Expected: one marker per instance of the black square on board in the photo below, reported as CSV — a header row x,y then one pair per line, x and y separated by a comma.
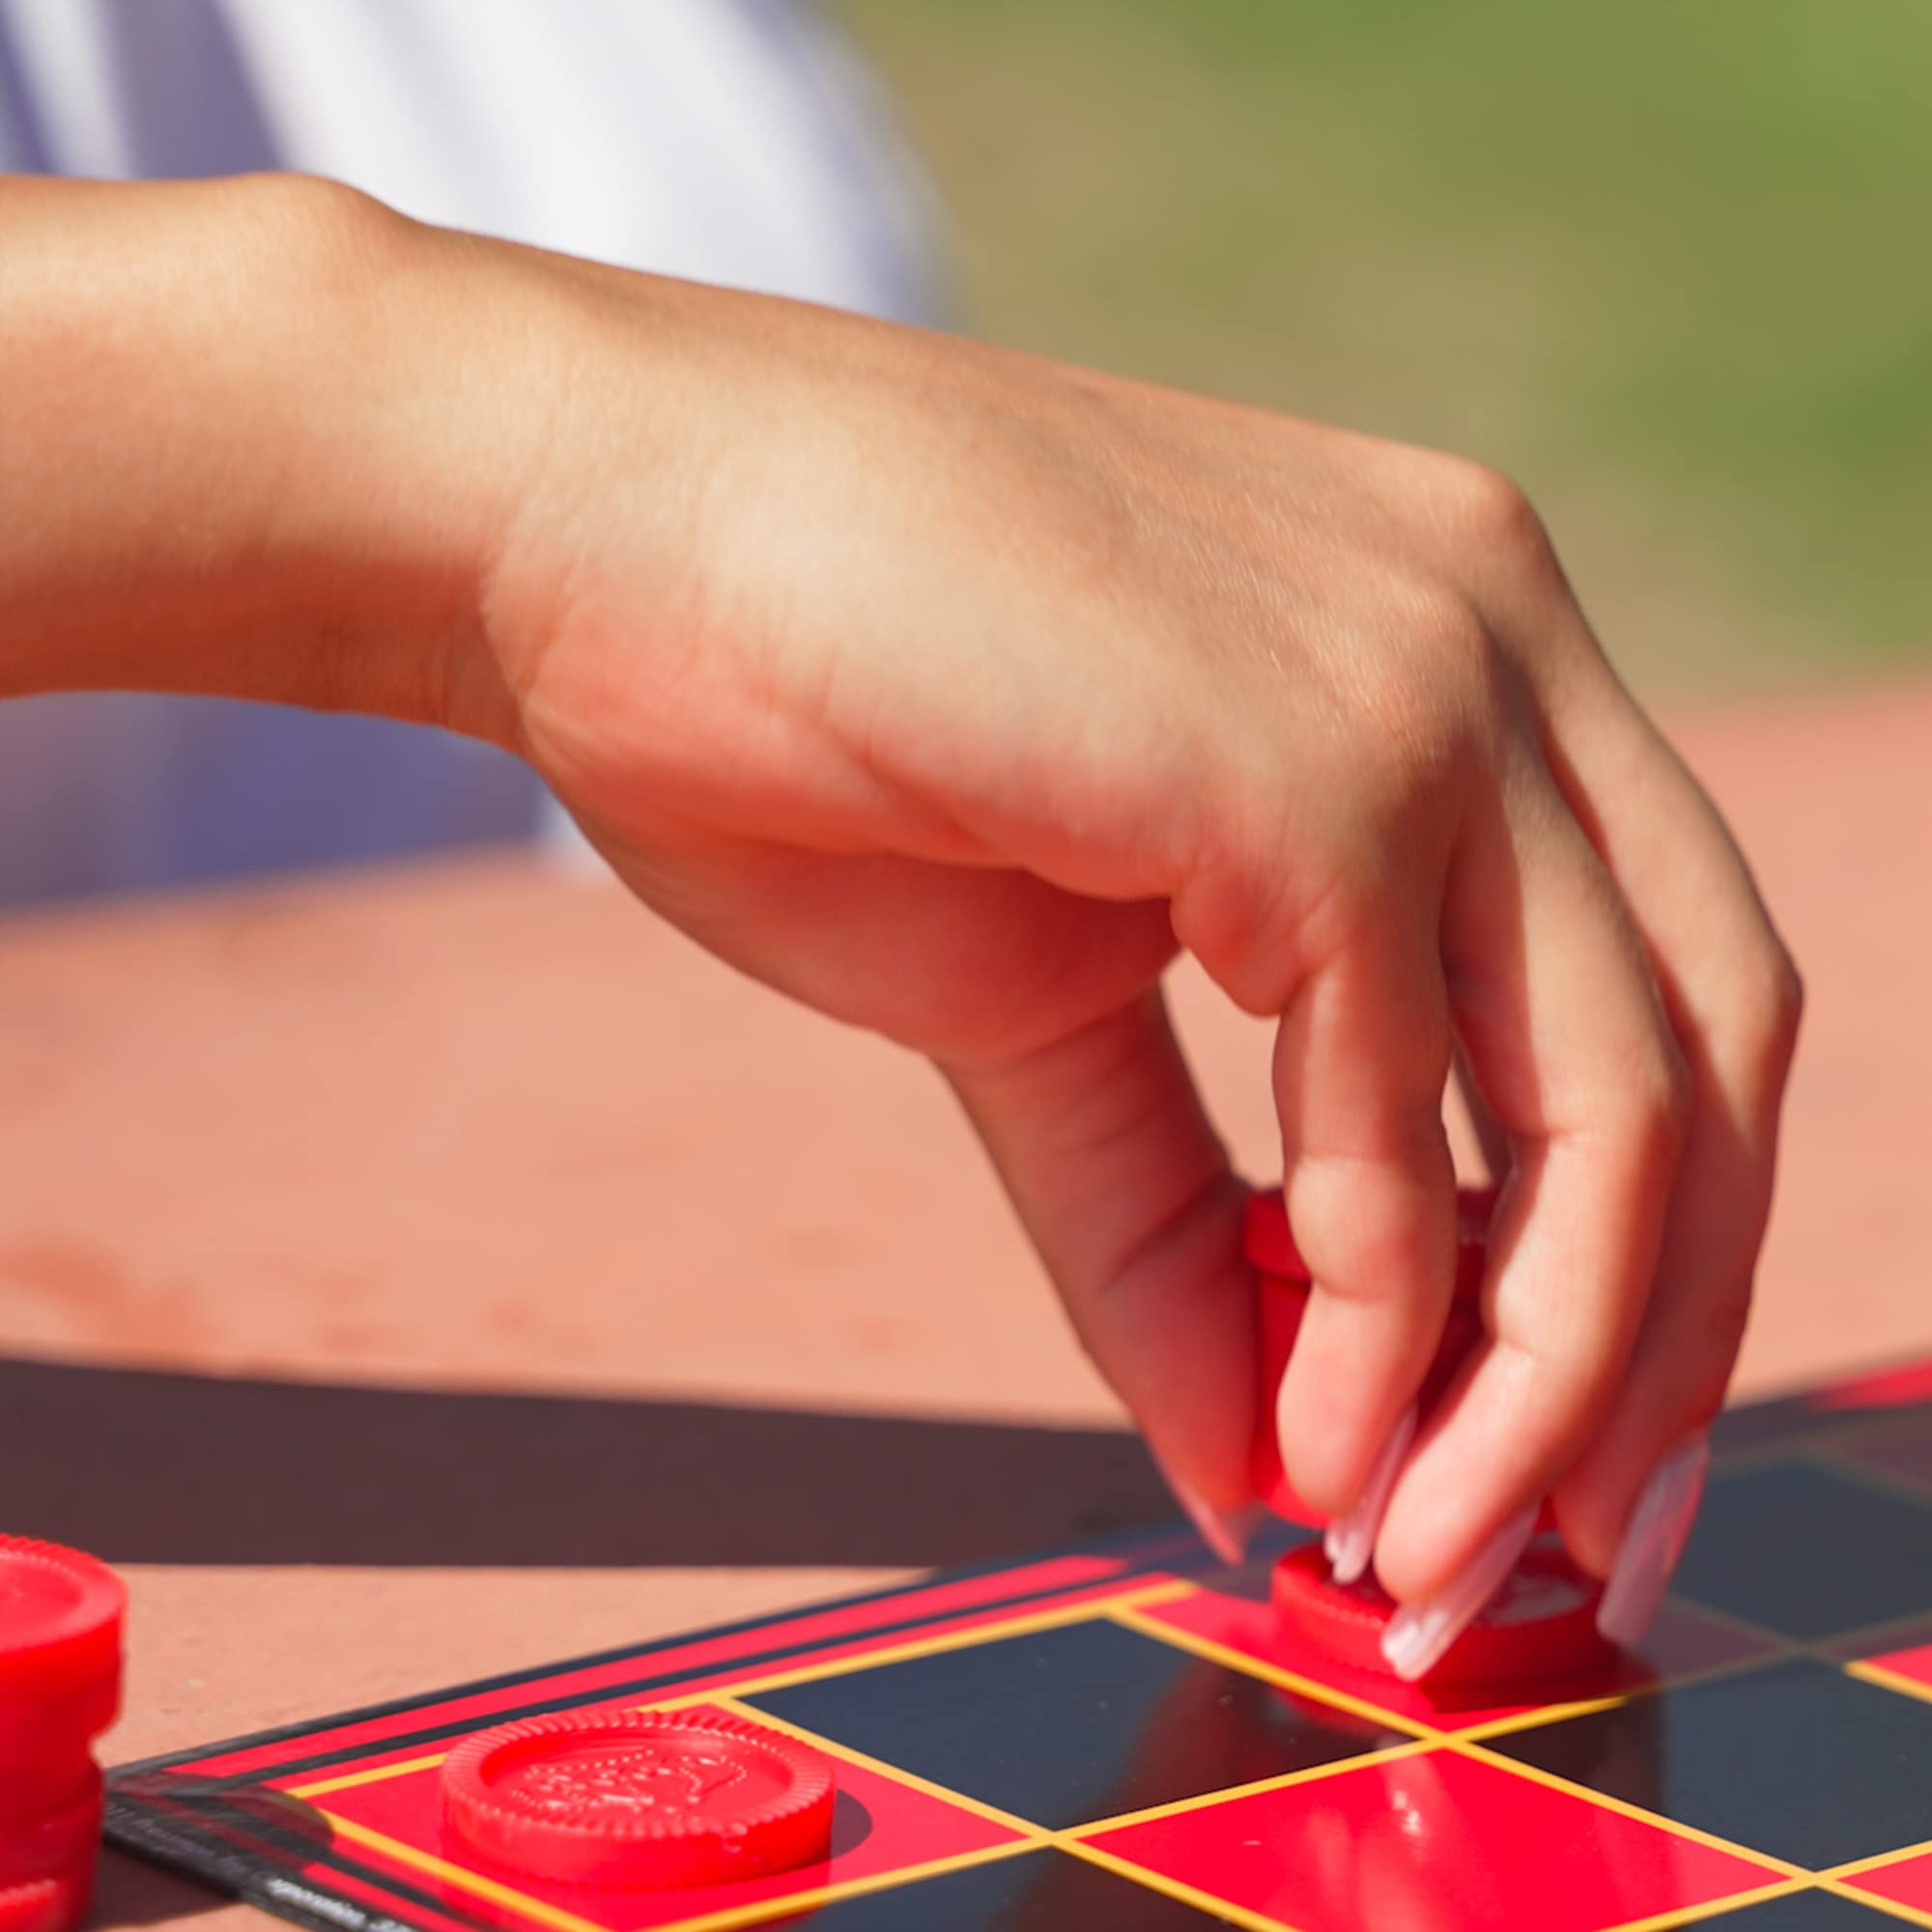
x,y
1803,1912
1808,1552
1797,1760
1069,1725
1037,1891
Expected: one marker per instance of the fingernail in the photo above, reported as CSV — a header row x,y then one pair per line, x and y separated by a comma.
x,y
1654,1539
1350,1540
1418,1634
1225,1532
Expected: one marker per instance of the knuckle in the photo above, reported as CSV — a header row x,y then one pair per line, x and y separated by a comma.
x,y
1379,1233
1431,702
1447,629
1771,1007
1487,512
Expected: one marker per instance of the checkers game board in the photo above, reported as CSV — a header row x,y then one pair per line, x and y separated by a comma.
x,y
1117,1737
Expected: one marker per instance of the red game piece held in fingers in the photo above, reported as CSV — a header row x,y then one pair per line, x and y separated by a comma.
x,y
640,1798
1541,1627
1285,1286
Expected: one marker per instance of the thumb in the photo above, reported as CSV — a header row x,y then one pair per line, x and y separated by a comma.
x,y
1107,1154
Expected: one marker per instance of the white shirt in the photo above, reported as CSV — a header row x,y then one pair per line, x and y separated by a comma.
x,y
731,141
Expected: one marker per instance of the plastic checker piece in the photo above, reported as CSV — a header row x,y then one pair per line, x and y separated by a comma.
x,y
55,1841
1540,1627
47,1746
640,1798
1270,1246
47,1905
57,1774
1284,1298
61,1614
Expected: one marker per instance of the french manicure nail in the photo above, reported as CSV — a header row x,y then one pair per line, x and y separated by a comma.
x,y
1418,1634
1654,1539
1225,1532
1350,1540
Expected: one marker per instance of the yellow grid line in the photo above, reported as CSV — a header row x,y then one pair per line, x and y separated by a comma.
x,y
381,1771
1886,1632
1889,1680
895,1773
1530,1718
852,1888
1910,1913
1125,1611
1077,1841
1287,1680
1210,1801
1091,1611
1846,1465
1602,1800
1712,1908
1155,1880
561,1920
1536,1716
461,1876
1852,1867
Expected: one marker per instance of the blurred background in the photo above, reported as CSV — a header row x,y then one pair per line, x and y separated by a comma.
x,y
1670,267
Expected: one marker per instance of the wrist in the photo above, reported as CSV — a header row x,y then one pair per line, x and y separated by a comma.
x,y
241,467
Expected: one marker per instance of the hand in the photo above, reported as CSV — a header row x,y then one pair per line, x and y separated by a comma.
x,y
949,689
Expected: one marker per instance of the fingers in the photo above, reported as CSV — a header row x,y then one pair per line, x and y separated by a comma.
x,y
1360,1060
1734,1002
1103,1146
1571,1046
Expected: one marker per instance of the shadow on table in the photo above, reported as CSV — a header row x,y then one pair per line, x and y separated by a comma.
x,y
127,1891
143,1467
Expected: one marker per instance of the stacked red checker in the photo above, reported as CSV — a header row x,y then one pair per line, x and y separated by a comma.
x,y
61,1619
1284,1298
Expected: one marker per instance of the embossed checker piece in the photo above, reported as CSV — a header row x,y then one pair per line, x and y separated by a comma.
x,y
643,1798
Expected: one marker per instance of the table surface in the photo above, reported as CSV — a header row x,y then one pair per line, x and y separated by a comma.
x,y
414,1274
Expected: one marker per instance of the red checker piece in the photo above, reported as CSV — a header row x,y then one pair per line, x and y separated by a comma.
x,y
53,1841
61,1614
1540,1627
1270,1246
47,1905
1284,1296
47,1746
57,1774
639,1798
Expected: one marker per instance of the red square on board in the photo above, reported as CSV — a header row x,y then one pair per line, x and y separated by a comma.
x,y
880,1827
1432,1841
1909,1882
1914,1663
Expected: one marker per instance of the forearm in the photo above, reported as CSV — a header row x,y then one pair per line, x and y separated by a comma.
x,y
223,465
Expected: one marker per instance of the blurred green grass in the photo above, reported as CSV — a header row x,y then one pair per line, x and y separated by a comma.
x,y
1670,265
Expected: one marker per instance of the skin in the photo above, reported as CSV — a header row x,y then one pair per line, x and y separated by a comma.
x,y
952,691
